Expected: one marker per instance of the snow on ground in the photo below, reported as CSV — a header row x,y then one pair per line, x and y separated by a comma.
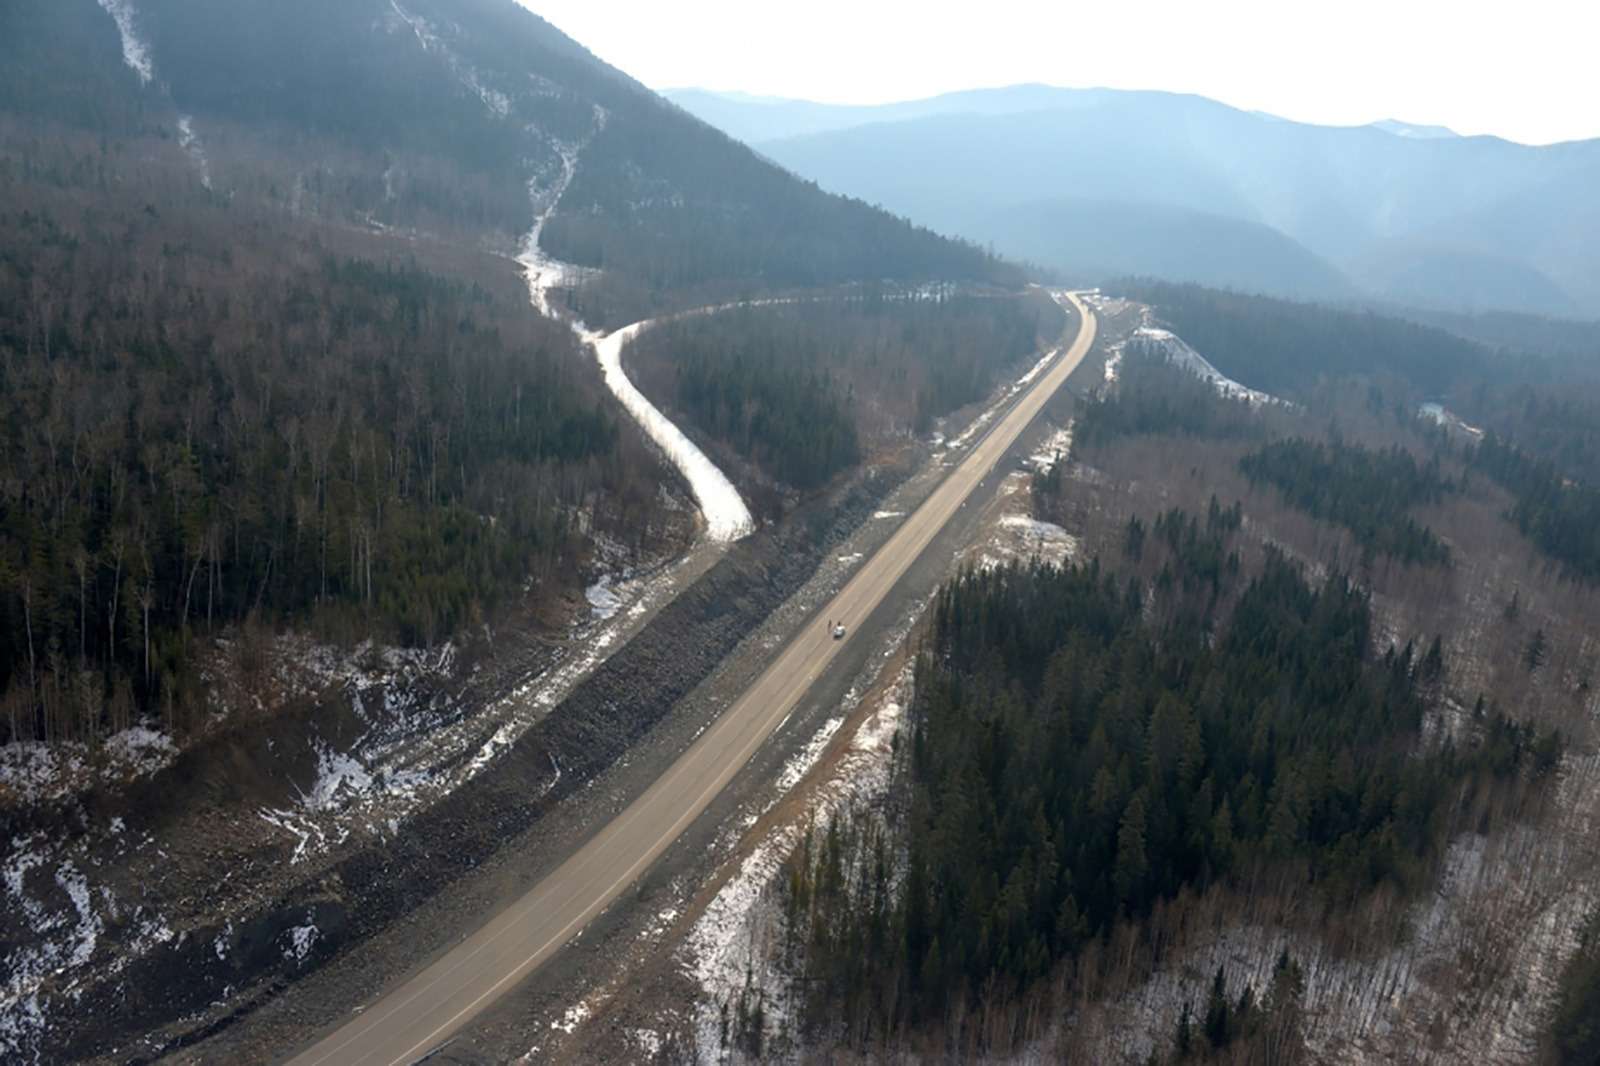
x,y
135,52
993,408
65,941
497,102
35,772
1510,933
1172,348
727,517
1440,415
1114,365
416,747
543,273
189,141
603,600
1035,370
1029,538
299,940
735,938
1054,449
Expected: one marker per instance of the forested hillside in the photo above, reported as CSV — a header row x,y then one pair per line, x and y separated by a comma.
x,y
264,355
1285,348
805,388
1370,493
1083,746
211,415
437,114
1539,412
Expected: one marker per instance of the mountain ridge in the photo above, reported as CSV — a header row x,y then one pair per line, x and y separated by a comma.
x,y
1506,225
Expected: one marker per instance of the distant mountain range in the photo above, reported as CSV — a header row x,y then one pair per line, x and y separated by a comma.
x,y
1094,182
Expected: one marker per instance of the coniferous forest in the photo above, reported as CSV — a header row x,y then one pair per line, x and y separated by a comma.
x,y
1368,492
1083,746
246,422
1560,516
806,388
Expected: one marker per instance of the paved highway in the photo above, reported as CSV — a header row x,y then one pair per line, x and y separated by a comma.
x,y
419,1015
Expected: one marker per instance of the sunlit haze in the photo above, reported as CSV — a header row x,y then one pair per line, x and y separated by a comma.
x,y
1525,72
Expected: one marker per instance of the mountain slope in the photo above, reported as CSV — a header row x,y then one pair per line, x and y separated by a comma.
x,y
256,293
1089,240
1503,225
456,114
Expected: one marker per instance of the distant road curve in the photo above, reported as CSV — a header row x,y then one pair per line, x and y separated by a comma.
x,y
429,1008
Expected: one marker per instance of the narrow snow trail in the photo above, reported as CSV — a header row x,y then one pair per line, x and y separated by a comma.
x,y
727,517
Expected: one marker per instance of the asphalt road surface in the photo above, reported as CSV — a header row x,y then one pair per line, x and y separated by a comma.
x,y
440,1000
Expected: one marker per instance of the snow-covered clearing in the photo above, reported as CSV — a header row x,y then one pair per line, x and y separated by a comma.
x,y
135,52
1028,538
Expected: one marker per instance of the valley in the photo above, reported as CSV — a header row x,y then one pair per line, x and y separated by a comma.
x,y
500,564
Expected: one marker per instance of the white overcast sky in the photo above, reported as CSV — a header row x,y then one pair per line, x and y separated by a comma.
x,y
1527,71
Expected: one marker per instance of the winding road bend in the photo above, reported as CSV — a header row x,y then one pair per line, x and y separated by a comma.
x,y
416,1017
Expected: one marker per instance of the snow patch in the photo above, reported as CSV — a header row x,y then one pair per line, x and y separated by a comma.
x,y
135,52
33,772
1114,365
1440,415
140,751
1055,448
302,939
189,141
498,103
339,780
1174,350
603,602
574,1017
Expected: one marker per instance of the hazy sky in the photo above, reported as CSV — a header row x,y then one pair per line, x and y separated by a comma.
x,y
1527,71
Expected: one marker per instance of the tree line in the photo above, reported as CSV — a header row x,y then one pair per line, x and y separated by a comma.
x,y
1284,348
1560,516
